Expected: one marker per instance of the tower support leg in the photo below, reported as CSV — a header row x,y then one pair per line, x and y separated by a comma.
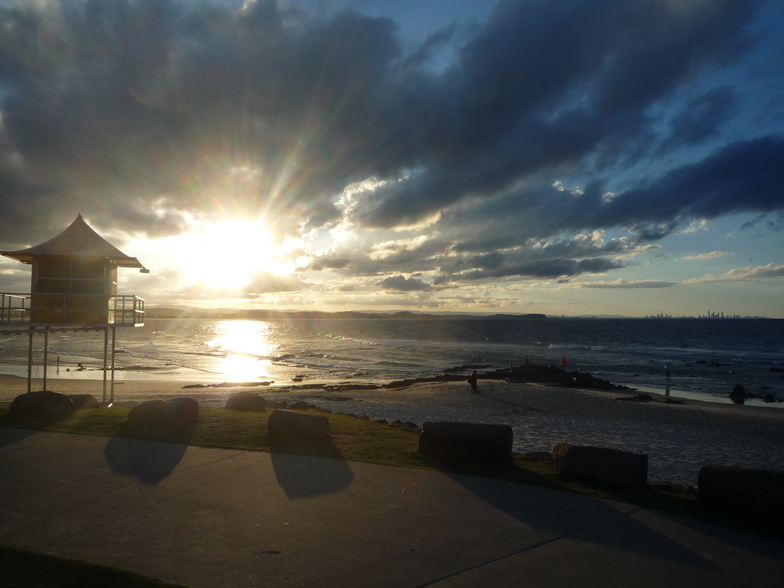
x,y
114,353
30,362
46,353
105,360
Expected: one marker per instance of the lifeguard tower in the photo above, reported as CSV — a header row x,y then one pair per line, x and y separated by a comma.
x,y
73,288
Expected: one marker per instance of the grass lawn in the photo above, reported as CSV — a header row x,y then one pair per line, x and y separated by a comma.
x,y
353,439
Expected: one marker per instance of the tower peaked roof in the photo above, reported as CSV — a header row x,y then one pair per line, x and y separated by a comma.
x,y
78,240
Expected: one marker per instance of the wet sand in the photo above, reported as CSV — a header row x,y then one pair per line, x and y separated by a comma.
x,y
679,438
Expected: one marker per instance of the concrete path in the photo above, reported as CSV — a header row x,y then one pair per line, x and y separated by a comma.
x,y
224,518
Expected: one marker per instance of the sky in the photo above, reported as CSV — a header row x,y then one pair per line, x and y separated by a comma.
x,y
566,157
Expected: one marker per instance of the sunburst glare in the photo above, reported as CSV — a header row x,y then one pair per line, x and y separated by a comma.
x,y
228,254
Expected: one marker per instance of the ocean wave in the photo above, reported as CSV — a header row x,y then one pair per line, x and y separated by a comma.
x,y
398,364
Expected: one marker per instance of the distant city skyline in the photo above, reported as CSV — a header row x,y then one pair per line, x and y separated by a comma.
x,y
591,157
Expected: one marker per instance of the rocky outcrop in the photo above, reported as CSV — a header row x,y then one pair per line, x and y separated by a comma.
x,y
745,491
41,404
602,464
739,391
249,402
468,443
288,430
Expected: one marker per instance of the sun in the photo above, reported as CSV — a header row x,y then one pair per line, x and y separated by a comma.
x,y
228,254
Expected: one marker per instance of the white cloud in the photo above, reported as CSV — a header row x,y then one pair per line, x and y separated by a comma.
x,y
711,255
621,283
695,226
744,274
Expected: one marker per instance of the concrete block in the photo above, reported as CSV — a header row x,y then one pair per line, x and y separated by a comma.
x,y
471,443
742,490
288,429
601,463
249,402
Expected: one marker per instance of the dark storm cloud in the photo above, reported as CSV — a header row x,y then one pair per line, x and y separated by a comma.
x,y
142,112
701,117
542,269
547,84
745,176
120,108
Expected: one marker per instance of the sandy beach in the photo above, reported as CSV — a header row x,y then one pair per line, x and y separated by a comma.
x,y
679,438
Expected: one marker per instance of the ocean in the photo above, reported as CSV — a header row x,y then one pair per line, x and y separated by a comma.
x,y
706,357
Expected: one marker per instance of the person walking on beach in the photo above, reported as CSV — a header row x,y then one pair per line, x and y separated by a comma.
x,y
472,381
563,363
525,361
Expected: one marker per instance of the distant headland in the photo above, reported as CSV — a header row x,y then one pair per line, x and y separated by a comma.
x,y
258,314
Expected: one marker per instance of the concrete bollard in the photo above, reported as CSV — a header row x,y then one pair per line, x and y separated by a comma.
x,y
472,443
742,490
601,463
249,402
186,409
287,429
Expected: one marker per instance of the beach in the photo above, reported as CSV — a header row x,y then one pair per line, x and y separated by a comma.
x,y
678,438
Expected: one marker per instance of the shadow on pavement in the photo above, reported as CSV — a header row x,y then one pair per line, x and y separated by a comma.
x,y
580,517
13,429
148,456
307,471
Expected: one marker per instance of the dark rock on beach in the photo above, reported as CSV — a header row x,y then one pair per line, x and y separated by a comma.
x,y
739,391
637,398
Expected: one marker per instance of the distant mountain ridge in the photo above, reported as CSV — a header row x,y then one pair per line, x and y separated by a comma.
x,y
224,313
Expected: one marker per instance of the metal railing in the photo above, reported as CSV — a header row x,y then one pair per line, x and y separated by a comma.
x,y
122,310
14,308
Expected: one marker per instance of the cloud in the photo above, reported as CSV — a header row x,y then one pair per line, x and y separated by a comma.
x,y
510,109
744,274
625,284
543,129
404,284
141,112
543,269
701,117
711,255
265,282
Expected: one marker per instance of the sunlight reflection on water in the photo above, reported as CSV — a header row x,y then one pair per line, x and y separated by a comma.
x,y
247,347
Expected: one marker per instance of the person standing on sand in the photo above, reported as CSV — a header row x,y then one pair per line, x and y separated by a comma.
x,y
667,377
472,381
563,363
